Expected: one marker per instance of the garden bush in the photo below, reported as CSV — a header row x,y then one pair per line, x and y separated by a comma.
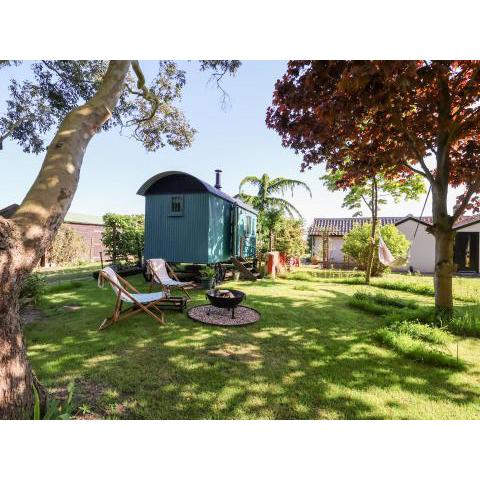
x,y
123,237
356,246
34,287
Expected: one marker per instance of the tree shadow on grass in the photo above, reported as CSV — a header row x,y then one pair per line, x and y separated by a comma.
x,y
309,357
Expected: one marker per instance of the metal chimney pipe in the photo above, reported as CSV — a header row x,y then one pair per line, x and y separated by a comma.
x,y
218,184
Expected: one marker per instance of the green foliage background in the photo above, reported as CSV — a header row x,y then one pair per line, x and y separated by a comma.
x,y
123,237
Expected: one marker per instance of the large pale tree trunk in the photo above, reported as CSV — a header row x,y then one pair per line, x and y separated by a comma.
x,y
24,238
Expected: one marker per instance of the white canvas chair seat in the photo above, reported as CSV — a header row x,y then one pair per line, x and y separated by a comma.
x,y
146,297
158,268
140,302
174,283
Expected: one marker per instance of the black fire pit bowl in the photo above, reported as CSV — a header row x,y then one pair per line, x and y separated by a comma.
x,y
226,302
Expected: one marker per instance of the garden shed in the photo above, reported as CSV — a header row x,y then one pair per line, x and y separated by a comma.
x,y
188,220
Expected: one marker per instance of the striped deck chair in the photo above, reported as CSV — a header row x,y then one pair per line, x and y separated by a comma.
x,y
126,293
159,270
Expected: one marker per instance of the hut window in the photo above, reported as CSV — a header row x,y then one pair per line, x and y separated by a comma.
x,y
176,205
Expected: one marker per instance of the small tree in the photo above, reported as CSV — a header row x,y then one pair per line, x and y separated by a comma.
x,y
290,238
373,192
357,246
68,247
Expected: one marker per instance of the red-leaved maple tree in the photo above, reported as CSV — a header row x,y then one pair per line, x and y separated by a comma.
x,y
395,118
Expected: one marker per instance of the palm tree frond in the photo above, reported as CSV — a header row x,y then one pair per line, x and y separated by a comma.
x,y
250,180
280,185
280,203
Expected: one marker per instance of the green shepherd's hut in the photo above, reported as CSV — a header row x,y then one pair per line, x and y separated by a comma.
x,y
189,221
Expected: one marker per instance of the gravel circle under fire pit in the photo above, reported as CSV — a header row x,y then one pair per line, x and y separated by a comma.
x,y
223,317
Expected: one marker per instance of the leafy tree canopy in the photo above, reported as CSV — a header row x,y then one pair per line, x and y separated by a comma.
x,y
386,116
360,195
147,110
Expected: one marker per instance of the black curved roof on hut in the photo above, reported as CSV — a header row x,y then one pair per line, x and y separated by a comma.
x,y
181,182
188,220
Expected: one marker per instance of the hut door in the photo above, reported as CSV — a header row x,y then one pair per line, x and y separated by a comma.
x,y
466,251
233,231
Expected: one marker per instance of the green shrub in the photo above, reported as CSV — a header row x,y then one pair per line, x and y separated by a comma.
x,y
123,237
356,246
207,272
34,287
416,349
289,237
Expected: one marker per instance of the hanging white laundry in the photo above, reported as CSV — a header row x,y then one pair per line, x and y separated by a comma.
x,y
384,254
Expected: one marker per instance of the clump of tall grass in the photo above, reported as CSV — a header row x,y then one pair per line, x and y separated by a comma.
x,y
415,288
382,299
467,324
417,349
420,331
369,306
425,315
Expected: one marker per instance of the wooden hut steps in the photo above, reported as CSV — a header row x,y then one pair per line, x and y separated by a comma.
x,y
245,268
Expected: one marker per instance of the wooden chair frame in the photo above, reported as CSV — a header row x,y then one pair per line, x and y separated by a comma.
x,y
156,280
136,307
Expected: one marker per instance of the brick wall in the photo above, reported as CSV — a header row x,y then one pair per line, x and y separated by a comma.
x,y
92,235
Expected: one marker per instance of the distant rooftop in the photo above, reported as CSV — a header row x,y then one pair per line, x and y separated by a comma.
x,y
8,212
83,218
342,226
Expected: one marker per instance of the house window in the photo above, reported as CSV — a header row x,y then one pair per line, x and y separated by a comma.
x,y
176,205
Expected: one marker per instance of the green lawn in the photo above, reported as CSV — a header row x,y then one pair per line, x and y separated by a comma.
x,y
62,274
310,357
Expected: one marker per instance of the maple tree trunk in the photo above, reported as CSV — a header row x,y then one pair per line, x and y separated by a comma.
x,y
444,240
25,237
371,252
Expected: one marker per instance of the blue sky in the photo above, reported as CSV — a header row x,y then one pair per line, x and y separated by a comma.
x,y
234,139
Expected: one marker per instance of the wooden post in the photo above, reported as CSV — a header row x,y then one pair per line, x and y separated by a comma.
x,y
114,244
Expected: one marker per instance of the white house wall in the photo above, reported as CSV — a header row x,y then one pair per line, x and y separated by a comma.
x,y
335,244
422,248
335,249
